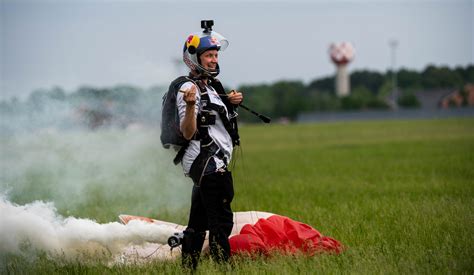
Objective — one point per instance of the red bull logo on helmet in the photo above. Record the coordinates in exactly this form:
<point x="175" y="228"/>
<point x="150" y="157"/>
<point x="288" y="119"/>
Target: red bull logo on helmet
<point x="193" y="40"/>
<point x="214" y="41"/>
<point x="209" y="42"/>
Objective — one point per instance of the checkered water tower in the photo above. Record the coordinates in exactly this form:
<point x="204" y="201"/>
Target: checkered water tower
<point x="341" y="54"/>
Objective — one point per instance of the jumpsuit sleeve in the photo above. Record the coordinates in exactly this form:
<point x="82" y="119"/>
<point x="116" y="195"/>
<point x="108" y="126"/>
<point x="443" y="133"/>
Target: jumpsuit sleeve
<point x="181" y="104"/>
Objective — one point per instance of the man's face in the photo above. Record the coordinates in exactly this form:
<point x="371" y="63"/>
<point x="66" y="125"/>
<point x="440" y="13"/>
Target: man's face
<point x="209" y="60"/>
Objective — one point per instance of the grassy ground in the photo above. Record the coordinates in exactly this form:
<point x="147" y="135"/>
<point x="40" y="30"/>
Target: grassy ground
<point x="398" y="194"/>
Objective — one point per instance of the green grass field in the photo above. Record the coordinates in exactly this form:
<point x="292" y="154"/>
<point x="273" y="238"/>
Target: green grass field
<point x="399" y="195"/>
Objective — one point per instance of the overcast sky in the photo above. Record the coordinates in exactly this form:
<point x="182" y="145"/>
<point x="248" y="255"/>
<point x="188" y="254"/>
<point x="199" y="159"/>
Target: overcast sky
<point x="103" y="43"/>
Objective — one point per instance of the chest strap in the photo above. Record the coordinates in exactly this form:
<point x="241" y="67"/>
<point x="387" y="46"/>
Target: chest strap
<point x="205" y="118"/>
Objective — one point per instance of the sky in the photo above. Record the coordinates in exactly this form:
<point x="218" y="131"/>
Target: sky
<point x="103" y="43"/>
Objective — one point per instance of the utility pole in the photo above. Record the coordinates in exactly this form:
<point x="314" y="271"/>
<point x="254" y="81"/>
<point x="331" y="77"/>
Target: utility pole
<point x="393" y="46"/>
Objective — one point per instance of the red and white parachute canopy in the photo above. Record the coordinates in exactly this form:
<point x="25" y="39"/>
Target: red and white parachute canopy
<point x="341" y="53"/>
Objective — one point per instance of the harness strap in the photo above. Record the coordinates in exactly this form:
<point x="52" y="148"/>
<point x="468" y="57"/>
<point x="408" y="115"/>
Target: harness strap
<point x="233" y="128"/>
<point x="225" y="120"/>
<point x="208" y="148"/>
<point x="179" y="156"/>
<point x="202" y="123"/>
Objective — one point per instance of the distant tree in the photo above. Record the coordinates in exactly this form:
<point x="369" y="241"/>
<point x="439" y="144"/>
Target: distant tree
<point x="376" y="102"/>
<point x="408" y="100"/>
<point x="8" y="107"/>
<point x="90" y="94"/>
<point x="290" y="98"/>
<point x="386" y="89"/>
<point x="372" y="81"/>
<point x="39" y="98"/>
<point x="260" y="98"/>
<point x="322" y="101"/>
<point x="325" y="84"/>
<point x="357" y="99"/>
<point x="467" y="73"/>
<point x="443" y="77"/>
<point x="125" y="94"/>
<point x="409" y="79"/>
<point x="56" y="93"/>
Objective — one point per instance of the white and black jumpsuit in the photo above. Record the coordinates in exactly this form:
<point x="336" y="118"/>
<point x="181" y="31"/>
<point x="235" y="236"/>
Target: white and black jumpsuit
<point x="206" y="160"/>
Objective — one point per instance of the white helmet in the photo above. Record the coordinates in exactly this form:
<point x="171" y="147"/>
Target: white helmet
<point x="197" y="43"/>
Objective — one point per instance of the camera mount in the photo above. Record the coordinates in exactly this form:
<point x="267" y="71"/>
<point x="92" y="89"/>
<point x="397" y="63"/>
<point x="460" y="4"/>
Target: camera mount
<point x="207" y="25"/>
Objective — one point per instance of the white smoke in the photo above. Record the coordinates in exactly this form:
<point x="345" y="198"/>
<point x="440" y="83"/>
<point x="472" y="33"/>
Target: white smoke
<point x="38" y="227"/>
<point x="123" y="169"/>
<point x="52" y="150"/>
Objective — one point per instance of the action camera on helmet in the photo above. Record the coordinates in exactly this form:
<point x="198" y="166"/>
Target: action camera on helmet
<point x="207" y="25"/>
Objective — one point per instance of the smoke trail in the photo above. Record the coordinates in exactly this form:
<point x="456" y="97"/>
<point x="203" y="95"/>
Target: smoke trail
<point x="94" y="153"/>
<point x="98" y="174"/>
<point x="38" y="227"/>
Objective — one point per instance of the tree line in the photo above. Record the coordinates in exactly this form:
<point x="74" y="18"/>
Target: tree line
<point x="87" y="107"/>
<point x="125" y="104"/>
<point x="369" y="90"/>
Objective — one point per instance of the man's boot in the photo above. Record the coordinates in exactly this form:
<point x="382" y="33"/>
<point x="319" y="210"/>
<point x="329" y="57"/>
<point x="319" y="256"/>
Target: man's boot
<point x="191" y="248"/>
